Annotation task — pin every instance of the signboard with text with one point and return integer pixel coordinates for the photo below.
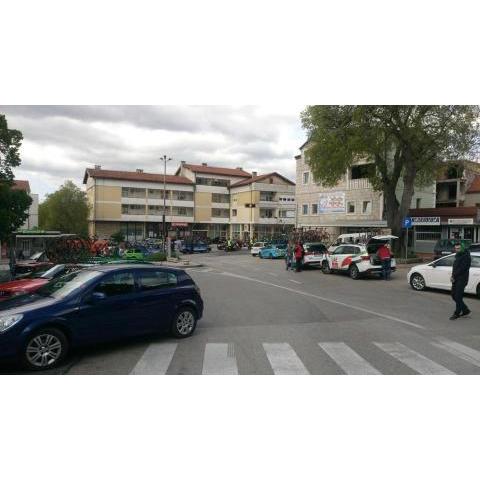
(460, 221)
(425, 221)
(331, 202)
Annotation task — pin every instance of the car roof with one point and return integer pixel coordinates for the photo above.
(351, 245)
(126, 266)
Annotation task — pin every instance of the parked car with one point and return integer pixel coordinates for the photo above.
(30, 285)
(197, 247)
(94, 305)
(314, 253)
(257, 246)
(273, 251)
(353, 259)
(437, 274)
(474, 247)
(135, 254)
(446, 246)
(36, 263)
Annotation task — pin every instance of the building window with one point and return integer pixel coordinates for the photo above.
(350, 207)
(133, 209)
(157, 193)
(181, 195)
(282, 214)
(314, 208)
(419, 201)
(128, 192)
(234, 212)
(306, 177)
(220, 213)
(270, 180)
(305, 209)
(156, 210)
(362, 171)
(267, 196)
(212, 182)
(220, 198)
(367, 207)
(266, 213)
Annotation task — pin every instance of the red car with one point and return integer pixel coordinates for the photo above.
(30, 285)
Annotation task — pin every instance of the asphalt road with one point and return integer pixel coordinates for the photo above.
(261, 319)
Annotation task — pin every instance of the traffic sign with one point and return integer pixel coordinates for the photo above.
(407, 222)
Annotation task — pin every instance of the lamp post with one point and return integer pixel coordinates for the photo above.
(164, 231)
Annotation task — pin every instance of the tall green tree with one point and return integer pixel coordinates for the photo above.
(65, 210)
(14, 204)
(407, 144)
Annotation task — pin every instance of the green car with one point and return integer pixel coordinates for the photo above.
(134, 254)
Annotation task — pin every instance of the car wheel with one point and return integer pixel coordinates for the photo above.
(184, 323)
(353, 272)
(417, 282)
(45, 349)
(326, 267)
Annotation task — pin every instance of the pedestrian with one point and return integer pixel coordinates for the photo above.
(288, 256)
(299, 254)
(459, 279)
(385, 257)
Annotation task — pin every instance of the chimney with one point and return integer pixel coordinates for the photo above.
(97, 167)
(204, 164)
(254, 174)
(240, 168)
(139, 170)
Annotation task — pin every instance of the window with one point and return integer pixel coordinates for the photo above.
(181, 211)
(157, 193)
(367, 207)
(212, 182)
(270, 180)
(419, 201)
(445, 262)
(155, 279)
(350, 207)
(133, 192)
(362, 171)
(314, 208)
(267, 196)
(133, 209)
(305, 209)
(306, 177)
(220, 198)
(220, 212)
(234, 212)
(339, 251)
(475, 261)
(121, 283)
(282, 213)
(156, 210)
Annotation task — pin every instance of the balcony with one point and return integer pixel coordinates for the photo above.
(358, 183)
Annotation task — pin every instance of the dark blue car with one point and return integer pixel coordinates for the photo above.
(97, 304)
(198, 247)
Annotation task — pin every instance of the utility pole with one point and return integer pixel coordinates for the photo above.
(164, 227)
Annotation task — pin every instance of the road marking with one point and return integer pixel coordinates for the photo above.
(461, 351)
(295, 281)
(155, 360)
(284, 360)
(347, 359)
(219, 359)
(414, 360)
(329, 300)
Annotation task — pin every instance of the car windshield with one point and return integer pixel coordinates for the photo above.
(61, 287)
(52, 272)
(36, 256)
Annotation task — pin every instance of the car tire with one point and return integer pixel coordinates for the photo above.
(326, 268)
(354, 272)
(417, 282)
(44, 349)
(184, 322)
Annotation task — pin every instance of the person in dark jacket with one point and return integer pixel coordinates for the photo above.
(460, 272)
(299, 252)
(385, 257)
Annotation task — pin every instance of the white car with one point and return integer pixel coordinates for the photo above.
(437, 274)
(355, 260)
(314, 253)
(257, 246)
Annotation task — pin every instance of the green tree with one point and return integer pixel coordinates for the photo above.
(65, 210)
(408, 145)
(14, 204)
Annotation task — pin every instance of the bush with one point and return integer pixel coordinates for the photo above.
(156, 257)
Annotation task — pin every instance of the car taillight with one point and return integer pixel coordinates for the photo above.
(365, 257)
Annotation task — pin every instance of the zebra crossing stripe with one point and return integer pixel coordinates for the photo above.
(155, 360)
(219, 359)
(412, 359)
(284, 360)
(461, 351)
(347, 359)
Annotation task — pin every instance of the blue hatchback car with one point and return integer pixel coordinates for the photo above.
(97, 304)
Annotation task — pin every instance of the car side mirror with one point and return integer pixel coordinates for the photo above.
(96, 297)
(433, 265)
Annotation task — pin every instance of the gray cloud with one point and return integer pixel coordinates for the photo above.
(61, 141)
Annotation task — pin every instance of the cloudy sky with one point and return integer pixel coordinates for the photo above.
(61, 141)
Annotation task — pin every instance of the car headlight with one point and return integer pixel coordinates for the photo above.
(8, 321)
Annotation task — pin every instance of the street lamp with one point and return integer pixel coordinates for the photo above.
(165, 160)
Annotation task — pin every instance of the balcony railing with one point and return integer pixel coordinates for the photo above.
(358, 183)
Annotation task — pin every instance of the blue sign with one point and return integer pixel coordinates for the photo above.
(407, 222)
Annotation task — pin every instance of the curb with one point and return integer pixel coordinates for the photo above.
(179, 265)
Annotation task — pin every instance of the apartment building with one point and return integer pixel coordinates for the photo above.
(262, 206)
(132, 202)
(212, 197)
(32, 221)
(351, 205)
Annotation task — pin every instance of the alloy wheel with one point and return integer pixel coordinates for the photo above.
(185, 322)
(417, 282)
(44, 350)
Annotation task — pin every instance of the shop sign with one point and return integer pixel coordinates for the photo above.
(332, 202)
(460, 221)
(180, 224)
(425, 221)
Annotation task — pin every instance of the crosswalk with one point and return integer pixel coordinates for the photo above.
(220, 359)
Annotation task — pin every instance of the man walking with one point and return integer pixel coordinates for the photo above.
(460, 272)
(386, 258)
(299, 256)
